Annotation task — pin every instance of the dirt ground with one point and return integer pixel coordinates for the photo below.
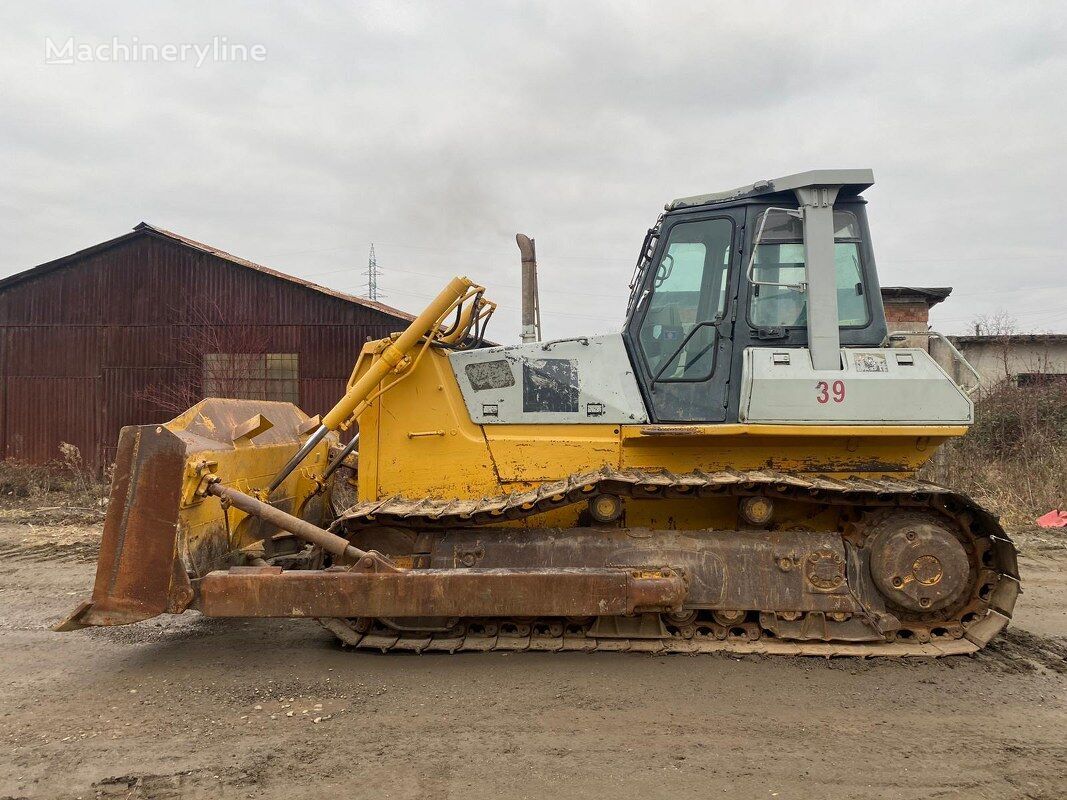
(195, 708)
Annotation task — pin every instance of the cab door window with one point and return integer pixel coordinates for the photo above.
(780, 259)
(678, 334)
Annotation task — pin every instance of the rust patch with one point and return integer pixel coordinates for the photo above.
(668, 430)
(135, 577)
(437, 592)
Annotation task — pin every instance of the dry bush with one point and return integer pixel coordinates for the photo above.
(64, 485)
(20, 480)
(1014, 459)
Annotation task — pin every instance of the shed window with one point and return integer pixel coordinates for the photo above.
(252, 376)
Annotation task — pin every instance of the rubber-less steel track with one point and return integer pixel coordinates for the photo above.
(466, 641)
(964, 628)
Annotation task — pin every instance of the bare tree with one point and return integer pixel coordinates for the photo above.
(1003, 326)
(215, 358)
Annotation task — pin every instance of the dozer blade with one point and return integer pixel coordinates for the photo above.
(138, 574)
(160, 534)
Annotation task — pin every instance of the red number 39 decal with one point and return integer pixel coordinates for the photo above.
(824, 391)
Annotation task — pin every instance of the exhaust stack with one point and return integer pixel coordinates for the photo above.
(531, 309)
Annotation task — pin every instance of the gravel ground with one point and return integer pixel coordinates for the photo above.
(186, 707)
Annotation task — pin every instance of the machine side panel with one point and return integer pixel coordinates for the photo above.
(584, 380)
(875, 386)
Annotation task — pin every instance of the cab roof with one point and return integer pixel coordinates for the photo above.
(851, 181)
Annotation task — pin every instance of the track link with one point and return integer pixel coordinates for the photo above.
(347, 631)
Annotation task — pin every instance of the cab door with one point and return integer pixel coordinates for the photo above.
(680, 330)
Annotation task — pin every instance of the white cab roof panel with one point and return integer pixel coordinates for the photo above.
(852, 181)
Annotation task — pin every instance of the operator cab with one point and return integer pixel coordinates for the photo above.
(784, 264)
(758, 306)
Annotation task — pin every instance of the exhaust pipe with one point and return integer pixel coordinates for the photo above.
(531, 309)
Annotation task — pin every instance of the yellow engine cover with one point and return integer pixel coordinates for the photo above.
(417, 440)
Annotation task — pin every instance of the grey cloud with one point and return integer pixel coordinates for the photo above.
(438, 130)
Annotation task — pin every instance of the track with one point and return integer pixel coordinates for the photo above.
(554, 637)
(965, 627)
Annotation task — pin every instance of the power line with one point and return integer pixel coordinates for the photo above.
(516, 308)
(629, 257)
(443, 251)
(1053, 309)
(1005, 290)
(494, 285)
(969, 259)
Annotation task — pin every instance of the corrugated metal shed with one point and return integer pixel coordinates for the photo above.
(85, 338)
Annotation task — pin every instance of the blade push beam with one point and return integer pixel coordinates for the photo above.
(271, 592)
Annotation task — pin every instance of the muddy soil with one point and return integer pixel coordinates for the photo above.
(186, 707)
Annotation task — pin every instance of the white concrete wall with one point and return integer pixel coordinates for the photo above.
(1000, 359)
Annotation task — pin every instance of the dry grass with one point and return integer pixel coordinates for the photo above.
(62, 491)
(1014, 459)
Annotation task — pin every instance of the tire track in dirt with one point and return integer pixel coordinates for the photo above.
(79, 552)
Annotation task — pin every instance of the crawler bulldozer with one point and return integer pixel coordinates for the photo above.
(736, 470)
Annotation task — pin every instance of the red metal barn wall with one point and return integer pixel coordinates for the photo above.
(80, 342)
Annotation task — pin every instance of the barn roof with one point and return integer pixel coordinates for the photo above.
(144, 229)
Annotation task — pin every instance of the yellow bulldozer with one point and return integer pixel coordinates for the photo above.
(734, 471)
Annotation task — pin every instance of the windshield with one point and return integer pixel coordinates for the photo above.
(780, 259)
(678, 334)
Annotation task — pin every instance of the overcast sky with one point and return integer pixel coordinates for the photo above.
(439, 130)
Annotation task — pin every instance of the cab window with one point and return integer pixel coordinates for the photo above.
(780, 259)
(678, 336)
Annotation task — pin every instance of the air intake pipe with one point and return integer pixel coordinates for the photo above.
(824, 335)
